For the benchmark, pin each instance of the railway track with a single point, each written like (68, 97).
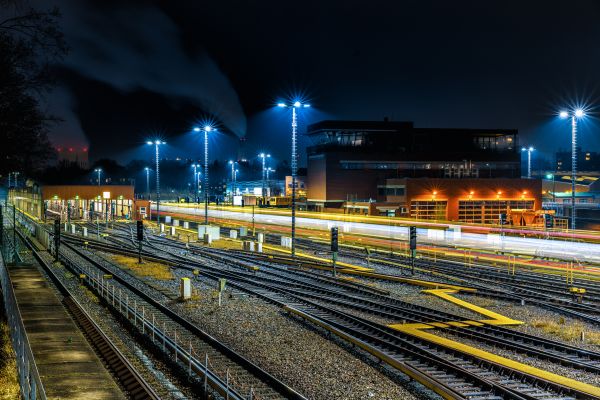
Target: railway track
(228, 373)
(366, 300)
(124, 372)
(308, 304)
(544, 290)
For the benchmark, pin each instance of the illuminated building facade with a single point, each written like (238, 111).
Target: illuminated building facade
(77, 202)
(393, 168)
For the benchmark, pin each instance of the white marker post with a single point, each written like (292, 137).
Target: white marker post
(222, 282)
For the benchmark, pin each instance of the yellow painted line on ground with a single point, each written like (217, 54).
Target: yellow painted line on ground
(474, 323)
(325, 260)
(496, 319)
(416, 282)
(504, 263)
(368, 272)
(396, 264)
(417, 330)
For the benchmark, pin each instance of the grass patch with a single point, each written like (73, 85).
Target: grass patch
(569, 332)
(227, 244)
(89, 294)
(146, 269)
(9, 383)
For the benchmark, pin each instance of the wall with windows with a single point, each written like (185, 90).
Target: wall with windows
(471, 200)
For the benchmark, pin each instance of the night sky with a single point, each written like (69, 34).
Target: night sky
(140, 69)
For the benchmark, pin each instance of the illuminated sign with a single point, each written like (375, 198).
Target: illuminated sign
(106, 195)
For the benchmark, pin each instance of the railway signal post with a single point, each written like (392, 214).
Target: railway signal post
(140, 238)
(413, 247)
(334, 248)
(56, 238)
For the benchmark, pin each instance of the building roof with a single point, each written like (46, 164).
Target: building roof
(396, 126)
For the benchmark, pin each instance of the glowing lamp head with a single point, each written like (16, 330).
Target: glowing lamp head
(579, 113)
(208, 128)
(531, 149)
(563, 114)
(196, 129)
(230, 162)
(149, 142)
(281, 105)
(549, 176)
(297, 104)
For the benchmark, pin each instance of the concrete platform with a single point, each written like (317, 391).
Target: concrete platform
(69, 368)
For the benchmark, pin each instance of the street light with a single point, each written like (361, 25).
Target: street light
(232, 163)
(529, 151)
(264, 170)
(195, 166)
(294, 106)
(551, 176)
(575, 115)
(269, 169)
(157, 143)
(99, 171)
(147, 182)
(206, 129)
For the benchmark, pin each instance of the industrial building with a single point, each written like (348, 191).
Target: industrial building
(396, 169)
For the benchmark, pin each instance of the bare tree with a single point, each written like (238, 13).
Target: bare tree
(30, 43)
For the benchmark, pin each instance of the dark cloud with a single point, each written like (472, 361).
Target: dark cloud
(139, 47)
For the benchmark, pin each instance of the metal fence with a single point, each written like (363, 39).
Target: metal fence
(29, 377)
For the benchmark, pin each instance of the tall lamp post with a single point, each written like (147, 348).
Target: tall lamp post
(156, 144)
(206, 130)
(195, 166)
(529, 150)
(98, 171)
(294, 106)
(232, 163)
(147, 182)
(264, 171)
(574, 115)
(269, 169)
